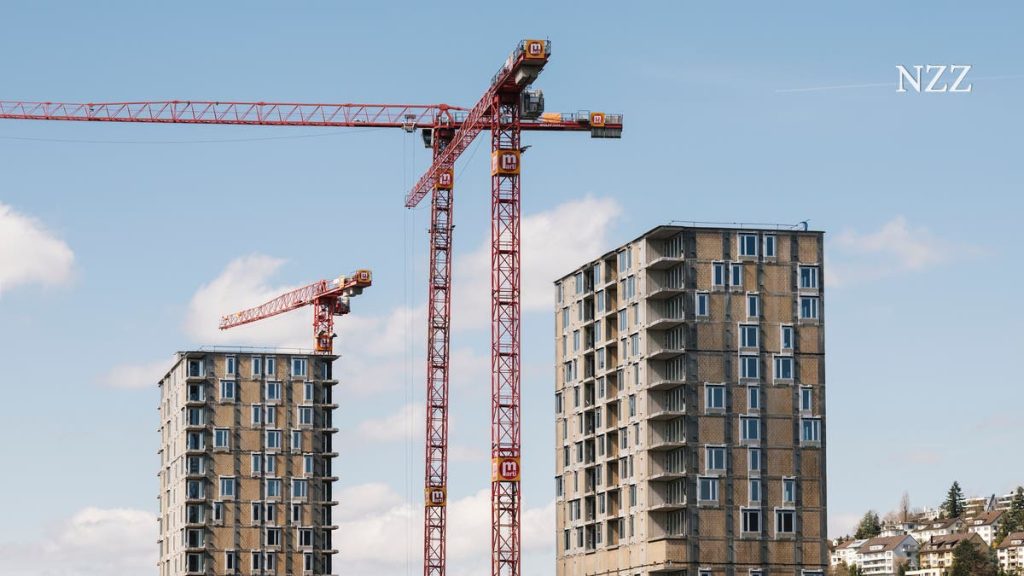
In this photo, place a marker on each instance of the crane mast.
(506, 109)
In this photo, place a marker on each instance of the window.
(217, 512)
(273, 537)
(718, 273)
(273, 488)
(296, 440)
(708, 490)
(231, 560)
(558, 403)
(579, 282)
(748, 335)
(785, 521)
(575, 340)
(227, 390)
(256, 463)
(748, 244)
(809, 307)
(634, 344)
(300, 488)
(227, 487)
(307, 464)
(754, 490)
(753, 305)
(625, 260)
(749, 367)
(230, 365)
(195, 369)
(195, 489)
(258, 414)
(633, 500)
(196, 441)
(750, 428)
(565, 318)
(273, 439)
(221, 438)
(632, 405)
(753, 398)
(623, 320)
(308, 392)
(299, 367)
(271, 366)
(754, 459)
(714, 397)
(806, 399)
(736, 274)
(810, 430)
(714, 458)
(257, 366)
(786, 338)
(769, 246)
(305, 415)
(789, 490)
(783, 367)
(305, 538)
(273, 391)
(559, 295)
(809, 277)
(701, 304)
(194, 562)
(195, 464)
(751, 519)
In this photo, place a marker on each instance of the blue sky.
(119, 244)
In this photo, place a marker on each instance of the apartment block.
(690, 399)
(245, 464)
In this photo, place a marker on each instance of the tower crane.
(329, 298)
(507, 108)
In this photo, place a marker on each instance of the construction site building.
(690, 399)
(245, 463)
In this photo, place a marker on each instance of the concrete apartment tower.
(245, 464)
(690, 398)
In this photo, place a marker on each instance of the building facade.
(936, 556)
(1010, 553)
(245, 464)
(690, 397)
(885, 555)
(985, 524)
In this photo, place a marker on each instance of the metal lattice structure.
(506, 109)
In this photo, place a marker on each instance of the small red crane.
(329, 298)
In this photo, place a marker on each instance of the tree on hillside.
(1013, 519)
(904, 508)
(869, 527)
(953, 507)
(970, 560)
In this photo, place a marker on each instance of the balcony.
(663, 347)
(665, 405)
(663, 255)
(661, 499)
(660, 376)
(664, 284)
(661, 316)
(666, 525)
(660, 470)
(666, 435)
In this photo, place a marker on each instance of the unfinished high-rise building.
(690, 398)
(245, 464)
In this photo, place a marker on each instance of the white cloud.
(386, 534)
(245, 283)
(93, 542)
(30, 254)
(895, 248)
(553, 243)
(131, 376)
(404, 424)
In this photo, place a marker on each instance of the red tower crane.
(329, 298)
(506, 109)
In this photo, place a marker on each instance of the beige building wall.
(690, 390)
(245, 464)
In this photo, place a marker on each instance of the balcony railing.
(663, 347)
(660, 500)
(661, 315)
(666, 435)
(663, 284)
(659, 470)
(663, 405)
